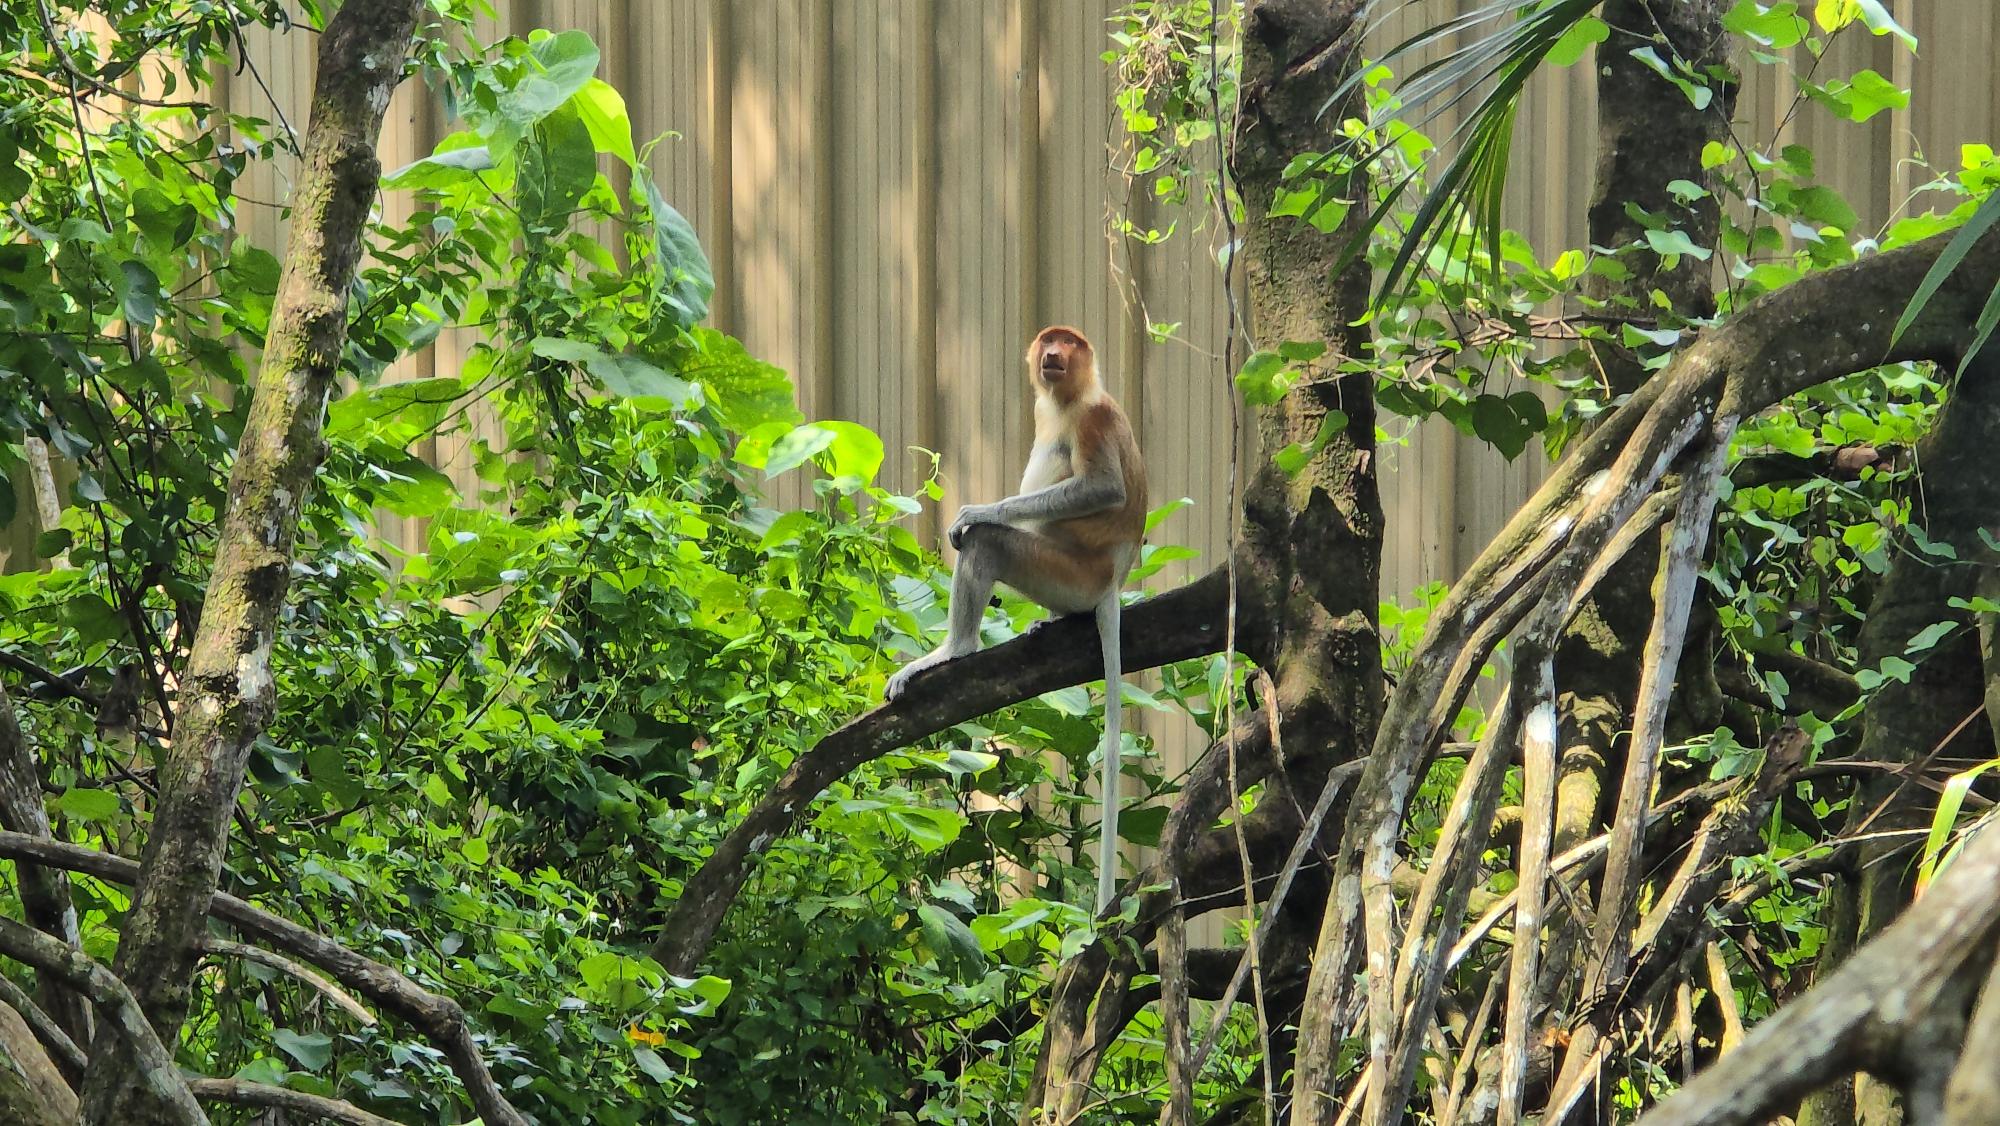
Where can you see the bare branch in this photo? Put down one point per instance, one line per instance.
(1858, 1018)
(242, 1092)
(155, 1070)
(68, 1058)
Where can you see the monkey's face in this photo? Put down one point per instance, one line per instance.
(1060, 360)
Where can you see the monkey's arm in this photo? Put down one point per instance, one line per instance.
(1100, 487)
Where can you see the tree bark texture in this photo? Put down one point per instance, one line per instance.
(226, 696)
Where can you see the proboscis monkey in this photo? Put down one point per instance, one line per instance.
(1067, 540)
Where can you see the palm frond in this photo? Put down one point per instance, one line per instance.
(1982, 219)
(1488, 70)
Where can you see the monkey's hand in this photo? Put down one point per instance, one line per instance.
(968, 516)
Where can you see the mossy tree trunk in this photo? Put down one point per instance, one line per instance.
(226, 696)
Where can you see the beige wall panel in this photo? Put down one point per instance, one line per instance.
(981, 425)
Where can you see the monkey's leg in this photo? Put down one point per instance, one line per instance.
(980, 563)
(1051, 574)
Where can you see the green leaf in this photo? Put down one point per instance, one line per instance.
(140, 295)
(89, 805)
(441, 169)
(411, 487)
(656, 1069)
(566, 62)
(1954, 253)
(1869, 94)
(312, 1050)
(745, 391)
(628, 376)
(1665, 243)
(1775, 26)
(686, 279)
(1580, 37)
(956, 947)
(621, 982)
(602, 109)
(855, 452)
(927, 828)
(1949, 802)
(1262, 379)
(558, 165)
(796, 447)
(417, 404)
(1929, 636)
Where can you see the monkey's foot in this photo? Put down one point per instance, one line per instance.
(899, 682)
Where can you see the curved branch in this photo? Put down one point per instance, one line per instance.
(440, 1019)
(341, 999)
(242, 1092)
(119, 1010)
(1175, 626)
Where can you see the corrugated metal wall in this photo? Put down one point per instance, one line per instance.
(896, 193)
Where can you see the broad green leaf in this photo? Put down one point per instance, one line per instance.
(418, 404)
(602, 109)
(796, 448)
(1579, 38)
(558, 164)
(656, 1069)
(89, 805)
(745, 391)
(441, 169)
(956, 947)
(686, 279)
(855, 452)
(621, 982)
(1262, 379)
(140, 295)
(927, 828)
(312, 1050)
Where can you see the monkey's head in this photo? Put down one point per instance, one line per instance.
(1061, 363)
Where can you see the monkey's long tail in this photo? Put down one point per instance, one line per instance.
(1107, 851)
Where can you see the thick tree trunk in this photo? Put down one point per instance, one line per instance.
(227, 697)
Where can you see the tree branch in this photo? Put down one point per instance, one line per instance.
(1175, 626)
(1858, 1018)
(242, 1092)
(120, 1012)
(440, 1019)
